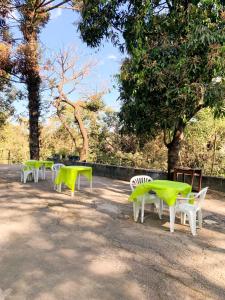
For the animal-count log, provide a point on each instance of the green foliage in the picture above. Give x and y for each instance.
(197, 151)
(173, 75)
(204, 145)
(8, 94)
(14, 142)
(55, 140)
(176, 62)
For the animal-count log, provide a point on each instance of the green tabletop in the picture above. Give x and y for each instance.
(47, 163)
(166, 190)
(36, 164)
(68, 175)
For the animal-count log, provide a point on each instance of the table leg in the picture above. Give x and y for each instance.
(172, 218)
(36, 171)
(59, 188)
(78, 184)
(44, 172)
(72, 193)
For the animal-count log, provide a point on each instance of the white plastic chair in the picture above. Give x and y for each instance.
(27, 173)
(186, 208)
(147, 198)
(55, 170)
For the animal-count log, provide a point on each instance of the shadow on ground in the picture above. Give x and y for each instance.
(88, 247)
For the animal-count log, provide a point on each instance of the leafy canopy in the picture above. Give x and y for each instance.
(176, 58)
(178, 69)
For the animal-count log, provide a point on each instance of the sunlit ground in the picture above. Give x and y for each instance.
(53, 246)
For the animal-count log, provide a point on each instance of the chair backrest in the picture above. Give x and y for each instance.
(56, 167)
(23, 167)
(138, 180)
(200, 196)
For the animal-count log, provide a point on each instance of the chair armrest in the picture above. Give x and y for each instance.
(182, 200)
(189, 199)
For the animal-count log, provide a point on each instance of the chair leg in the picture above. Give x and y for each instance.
(136, 208)
(24, 177)
(172, 218)
(192, 222)
(134, 211)
(200, 218)
(158, 206)
(44, 172)
(142, 210)
(183, 218)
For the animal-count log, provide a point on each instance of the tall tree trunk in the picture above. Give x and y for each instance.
(33, 85)
(33, 82)
(174, 148)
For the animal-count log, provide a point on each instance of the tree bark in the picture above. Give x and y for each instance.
(214, 154)
(83, 151)
(63, 121)
(174, 148)
(33, 85)
(30, 70)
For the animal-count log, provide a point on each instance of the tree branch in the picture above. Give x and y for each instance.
(57, 5)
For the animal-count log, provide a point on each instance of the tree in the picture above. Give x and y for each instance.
(33, 15)
(204, 144)
(8, 93)
(176, 63)
(67, 76)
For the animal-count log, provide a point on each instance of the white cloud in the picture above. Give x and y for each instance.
(101, 62)
(56, 13)
(112, 57)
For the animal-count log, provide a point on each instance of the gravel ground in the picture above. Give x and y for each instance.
(53, 246)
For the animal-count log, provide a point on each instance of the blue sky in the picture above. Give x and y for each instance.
(60, 32)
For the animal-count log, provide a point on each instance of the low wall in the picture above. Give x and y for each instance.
(126, 173)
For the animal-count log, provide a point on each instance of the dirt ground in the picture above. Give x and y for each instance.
(53, 246)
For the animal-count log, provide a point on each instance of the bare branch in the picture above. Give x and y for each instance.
(57, 5)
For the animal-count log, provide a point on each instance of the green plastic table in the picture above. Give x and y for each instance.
(37, 164)
(69, 174)
(166, 190)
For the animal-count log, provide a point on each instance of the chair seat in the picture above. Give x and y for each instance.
(186, 207)
(151, 198)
